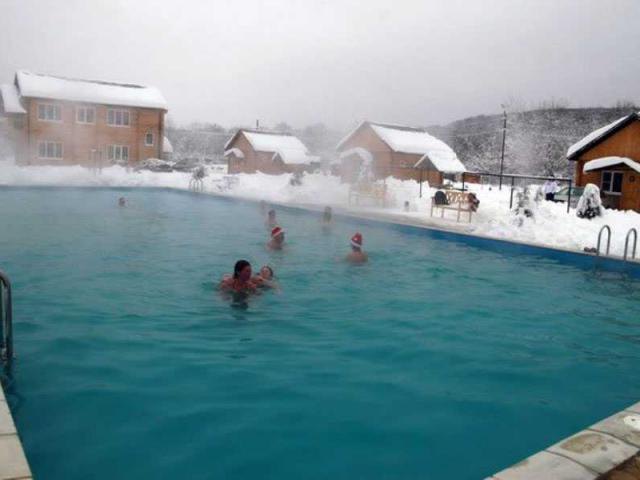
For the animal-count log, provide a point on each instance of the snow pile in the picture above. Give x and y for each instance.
(589, 205)
(551, 225)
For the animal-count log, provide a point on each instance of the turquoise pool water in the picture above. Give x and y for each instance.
(436, 360)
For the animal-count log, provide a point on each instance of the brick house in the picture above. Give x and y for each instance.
(249, 151)
(610, 158)
(64, 121)
(398, 151)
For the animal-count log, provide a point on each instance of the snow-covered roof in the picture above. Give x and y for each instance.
(442, 163)
(166, 145)
(597, 135)
(234, 151)
(90, 91)
(11, 99)
(363, 153)
(605, 162)
(416, 141)
(288, 147)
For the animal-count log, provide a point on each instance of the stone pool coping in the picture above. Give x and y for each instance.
(589, 454)
(13, 462)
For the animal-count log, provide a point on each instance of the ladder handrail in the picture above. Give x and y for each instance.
(608, 229)
(6, 328)
(635, 243)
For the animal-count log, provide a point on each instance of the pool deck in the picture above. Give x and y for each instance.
(607, 449)
(13, 462)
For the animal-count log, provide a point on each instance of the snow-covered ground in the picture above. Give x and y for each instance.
(551, 225)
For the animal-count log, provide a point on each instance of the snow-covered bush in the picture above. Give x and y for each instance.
(589, 205)
(525, 205)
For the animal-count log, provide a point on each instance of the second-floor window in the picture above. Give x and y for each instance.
(118, 117)
(148, 139)
(49, 112)
(50, 150)
(86, 115)
(118, 153)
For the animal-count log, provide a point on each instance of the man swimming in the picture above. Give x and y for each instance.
(357, 255)
(241, 283)
(277, 239)
(327, 216)
(271, 221)
(122, 202)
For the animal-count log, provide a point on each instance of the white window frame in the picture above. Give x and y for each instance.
(114, 113)
(47, 144)
(611, 182)
(56, 107)
(146, 144)
(118, 153)
(85, 110)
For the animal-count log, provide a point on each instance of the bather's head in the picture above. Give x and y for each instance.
(266, 272)
(242, 270)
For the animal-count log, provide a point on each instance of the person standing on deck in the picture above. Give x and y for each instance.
(357, 255)
(549, 189)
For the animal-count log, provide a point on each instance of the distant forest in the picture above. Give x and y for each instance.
(536, 140)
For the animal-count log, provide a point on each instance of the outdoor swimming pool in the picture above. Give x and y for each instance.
(436, 360)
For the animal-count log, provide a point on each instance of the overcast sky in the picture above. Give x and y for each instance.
(335, 61)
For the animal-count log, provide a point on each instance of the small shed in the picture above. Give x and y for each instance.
(399, 151)
(249, 151)
(610, 158)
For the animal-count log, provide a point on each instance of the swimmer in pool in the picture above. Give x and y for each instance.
(277, 239)
(241, 282)
(327, 217)
(265, 279)
(122, 202)
(271, 221)
(357, 255)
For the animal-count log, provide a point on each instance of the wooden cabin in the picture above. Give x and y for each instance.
(397, 151)
(250, 151)
(610, 158)
(66, 121)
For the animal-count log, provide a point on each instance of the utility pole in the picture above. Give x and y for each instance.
(504, 137)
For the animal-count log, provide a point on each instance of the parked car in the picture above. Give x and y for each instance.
(562, 195)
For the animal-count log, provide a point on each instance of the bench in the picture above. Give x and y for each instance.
(453, 200)
(376, 192)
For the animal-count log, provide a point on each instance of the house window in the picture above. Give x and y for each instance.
(50, 150)
(86, 115)
(612, 182)
(148, 139)
(118, 153)
(49, 112)
(118, 118)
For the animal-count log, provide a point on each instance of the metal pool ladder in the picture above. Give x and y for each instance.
(635, 243)
(608, 229)
(6, 320)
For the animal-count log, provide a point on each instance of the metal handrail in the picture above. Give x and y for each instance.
(608, 229)
(635, 243)
(6, 317)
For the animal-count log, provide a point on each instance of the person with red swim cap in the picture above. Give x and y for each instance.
(277, 239)
(357, 255)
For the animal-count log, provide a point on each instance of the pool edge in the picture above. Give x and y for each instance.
(13, 460)
(592, 453)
